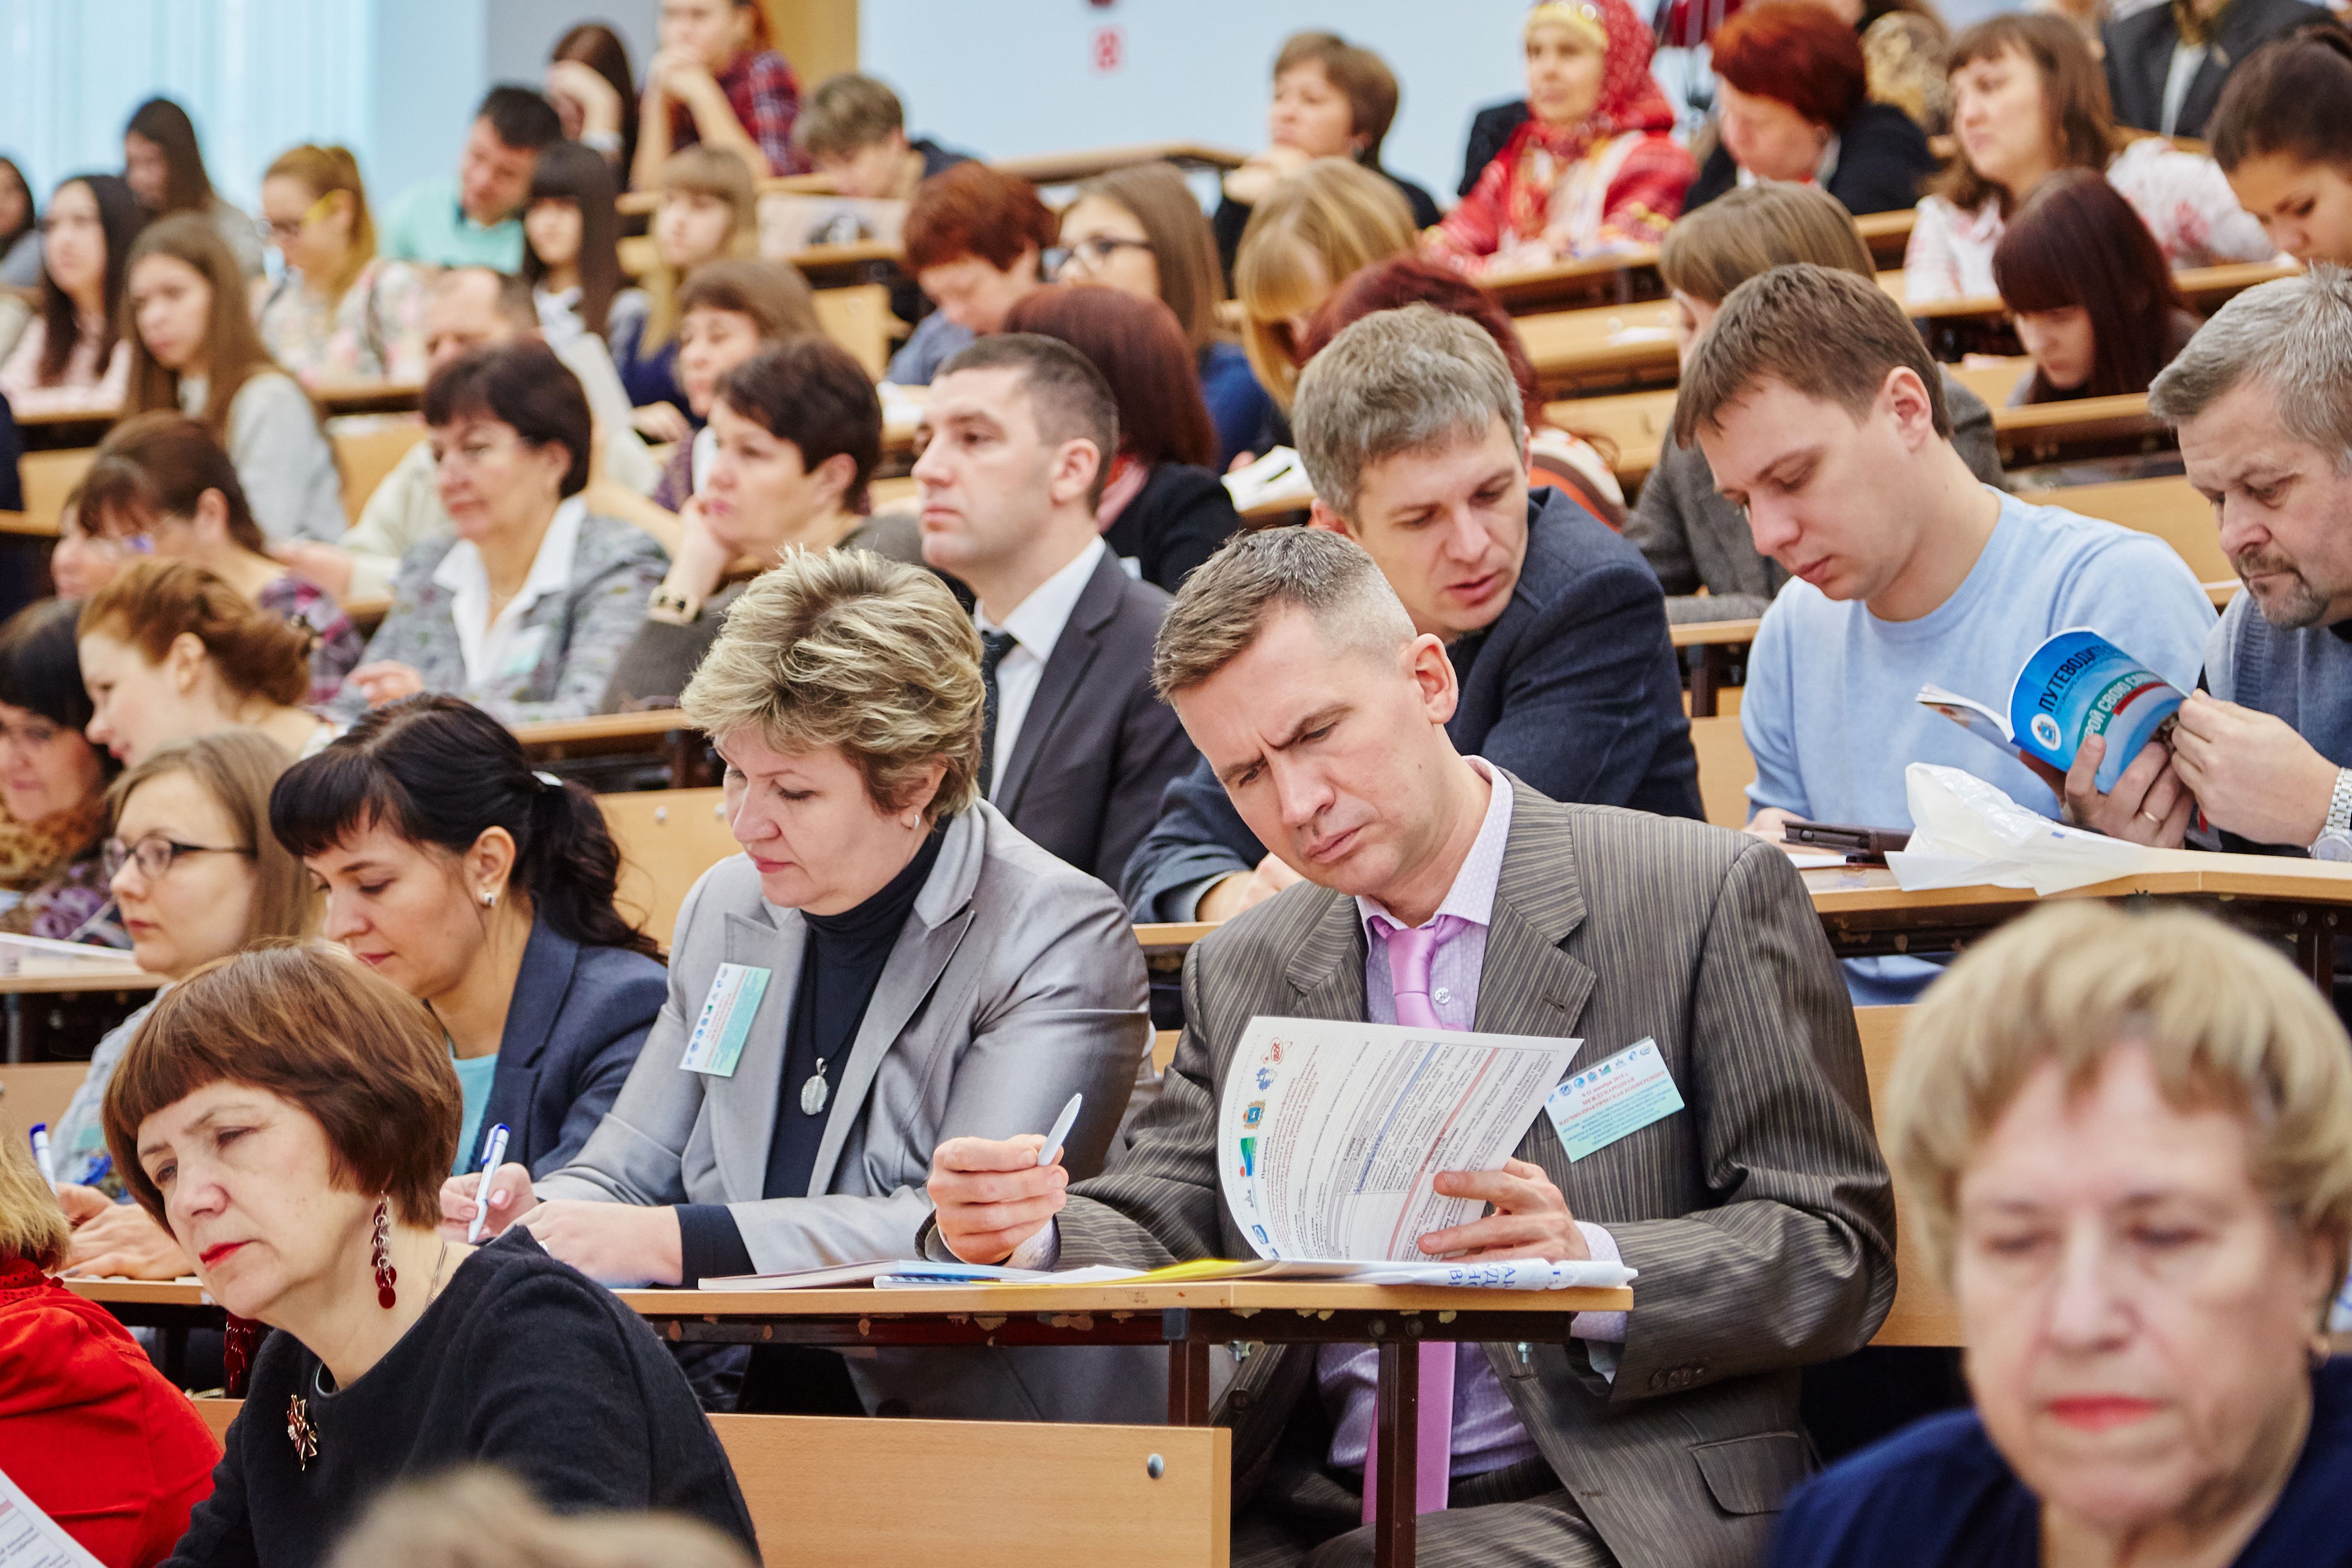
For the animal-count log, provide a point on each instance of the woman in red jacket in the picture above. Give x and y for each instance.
(95, 1436)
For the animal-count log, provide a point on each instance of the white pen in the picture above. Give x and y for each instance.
(50, 1166)
(1062, 1125)
(492, 1153)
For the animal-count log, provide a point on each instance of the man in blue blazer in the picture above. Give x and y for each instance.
(1410, 428)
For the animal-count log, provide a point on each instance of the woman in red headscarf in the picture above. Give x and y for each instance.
(1593, 170)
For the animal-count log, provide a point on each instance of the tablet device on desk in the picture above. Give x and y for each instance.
(1868, 845)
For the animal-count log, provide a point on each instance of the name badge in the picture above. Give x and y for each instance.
(523, 653)
(1593, 1109)
(716, 1043)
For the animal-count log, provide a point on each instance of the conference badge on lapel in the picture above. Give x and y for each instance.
(1594, 1108)
(716, 1043)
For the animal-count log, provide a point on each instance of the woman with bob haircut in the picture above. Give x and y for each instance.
(2282, 137)
(289, 1116)
(1315, 230)
(726, 314)
(928, 973)
(2126, 1140)
(524, 610)
(1163, 507)
(96, 1438)
(2027, 101)
(196, 876)
(194, 350)
(1795, 106)
(483, 888)
(2094, 302)
(975, 240)
(170, 651)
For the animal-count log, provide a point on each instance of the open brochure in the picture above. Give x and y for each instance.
(1279, 479)
(1511, 1274)
(31, 1539)
(2076, 685)
(1330, 1134)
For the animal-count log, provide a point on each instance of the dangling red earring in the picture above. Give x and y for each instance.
(386, 1277)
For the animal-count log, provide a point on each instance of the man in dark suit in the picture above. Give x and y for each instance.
(2146, 62)
(1410, 427)
(1442, 891)
(1016, 440)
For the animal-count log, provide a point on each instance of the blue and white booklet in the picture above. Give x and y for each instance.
(2074, 686)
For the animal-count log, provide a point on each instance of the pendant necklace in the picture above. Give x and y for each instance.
(814, 1093)
(300, 1430)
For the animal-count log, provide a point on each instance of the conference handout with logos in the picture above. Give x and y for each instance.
(1329, 1134)
(2076, 685)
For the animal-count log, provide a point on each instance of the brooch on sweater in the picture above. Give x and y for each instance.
(300, 1433)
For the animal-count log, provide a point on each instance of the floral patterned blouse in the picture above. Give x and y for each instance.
(339, 644)
(376, 332)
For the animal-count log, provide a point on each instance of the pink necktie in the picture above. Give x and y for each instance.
(1410, 955)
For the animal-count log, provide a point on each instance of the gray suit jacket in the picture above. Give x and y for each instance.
(1015, 983)
(1760, 1218)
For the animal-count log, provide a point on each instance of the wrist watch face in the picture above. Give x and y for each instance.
(2333, 844)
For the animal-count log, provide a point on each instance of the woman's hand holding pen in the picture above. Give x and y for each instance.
(991, 1195)
(509, 1196)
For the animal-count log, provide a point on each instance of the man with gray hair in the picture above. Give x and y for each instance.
(2263, 399)
(1441, 891)
(1411, 430)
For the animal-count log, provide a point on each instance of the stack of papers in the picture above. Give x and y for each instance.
(913, 1273)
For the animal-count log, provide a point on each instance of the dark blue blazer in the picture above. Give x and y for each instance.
(1574, 687)
(1939, 1495)
(578, 1018)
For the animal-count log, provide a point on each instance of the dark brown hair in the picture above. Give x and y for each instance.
(521, 384)
(1821, 332)
(160, 465)
(1140, 350)
(974, 210)
(1362, 76)
(119, 218)
(149, 604)
(2081, 122)
(2289, 97)
(186, 186)
(810, 392)
(1069, 399)
(233, 351)
(568, 171)
(2077, 244)
(604, 51)
(311, 1025)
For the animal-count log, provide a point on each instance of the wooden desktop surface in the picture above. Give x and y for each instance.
(2181, 873)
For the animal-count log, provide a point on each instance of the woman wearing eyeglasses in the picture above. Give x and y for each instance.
(340, 312)
(198, 875)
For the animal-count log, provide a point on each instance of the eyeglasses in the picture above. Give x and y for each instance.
(279, 229)
(155, 854)
(1091, 255)
(32, 737)
(471, 454)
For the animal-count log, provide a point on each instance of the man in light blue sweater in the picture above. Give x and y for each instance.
(1821, 414)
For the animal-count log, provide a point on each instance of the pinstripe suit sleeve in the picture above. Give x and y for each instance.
(1795, 1262)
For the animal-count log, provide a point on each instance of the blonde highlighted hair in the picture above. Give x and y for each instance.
(1313, 231)
(2226, 1022)
(326, 171)
(701, 171)
(844, 649)
(33, 1229)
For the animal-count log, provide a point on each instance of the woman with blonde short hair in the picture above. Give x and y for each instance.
(2126, 1141)
(1313, 231)
(891, 965)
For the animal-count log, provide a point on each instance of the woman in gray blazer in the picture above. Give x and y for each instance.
(888, 964)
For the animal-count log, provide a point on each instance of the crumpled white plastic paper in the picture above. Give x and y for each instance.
(1965, 833)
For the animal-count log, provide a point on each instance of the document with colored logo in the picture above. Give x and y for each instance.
(2076, 685)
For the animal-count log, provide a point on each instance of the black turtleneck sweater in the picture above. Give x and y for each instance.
(841, 966)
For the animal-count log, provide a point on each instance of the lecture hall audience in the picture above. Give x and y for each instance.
(96, 1438)
(2167, 65)
(796, 434)
(1140, 229)
(1163, 510)
(705, 213)
(197, 877)
(2027, 101)
(484, 888)
(571, 254)
(1315, 230)
(338, 312)
(595, 95)
(194, 350)
(159, 485)
(1593, 170)
(1794, 106)
(52, 782)
(1698, 543)
(1823, 417)
(2094, 303)
(318, 1220)
(165, 170)
(935, 974)
(1331, 98)
(475, 219)
(74, 354)
(2287, 151)
(975, 241)
(853, 131)
(716, 81)
(2127, 1140)
(528, 608)
(168, 652)
(726, 312)
(1017, 448)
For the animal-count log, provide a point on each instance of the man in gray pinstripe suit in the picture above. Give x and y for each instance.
(1759, 1217)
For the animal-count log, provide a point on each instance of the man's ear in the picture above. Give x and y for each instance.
(1905, 396)
(1076, 464)
(1425, 660)
(1321, 515)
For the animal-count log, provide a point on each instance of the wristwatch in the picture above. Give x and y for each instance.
(2335, 840)
(684, 609)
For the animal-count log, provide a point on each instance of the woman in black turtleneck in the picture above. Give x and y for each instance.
(904, 967)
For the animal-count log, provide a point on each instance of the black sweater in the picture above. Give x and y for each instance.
(1882, 157)
(522, 1363)
(1180, 517)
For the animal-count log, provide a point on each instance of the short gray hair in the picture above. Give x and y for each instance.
(1225, 603)
(1398, 381)
(2295, 336)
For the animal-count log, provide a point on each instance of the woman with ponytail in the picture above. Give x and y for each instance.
(484, 889)
(340, 312)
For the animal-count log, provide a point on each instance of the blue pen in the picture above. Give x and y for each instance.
(492, 1153)
(41, 1153)
(97, 1169)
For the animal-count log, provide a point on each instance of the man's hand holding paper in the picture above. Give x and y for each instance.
(1530, 1218)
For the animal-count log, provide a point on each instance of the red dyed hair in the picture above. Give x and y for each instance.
(972, 210)
(1143, 352)
(1797, 52)
(1405, 280)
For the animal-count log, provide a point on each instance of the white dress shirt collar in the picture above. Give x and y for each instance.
(1037, 621)
(482, 642)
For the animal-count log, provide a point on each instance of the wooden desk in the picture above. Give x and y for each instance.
(1719, 643)
(1637, 423)
(2075, 431)
(1160, 941)
(1188, 1319)
(1597, 280)
(1608, 349)
(1067, 168)
(663, 732)
(1888, 234)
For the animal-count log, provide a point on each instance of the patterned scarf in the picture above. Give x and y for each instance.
(1630, 101)
(31, 852)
